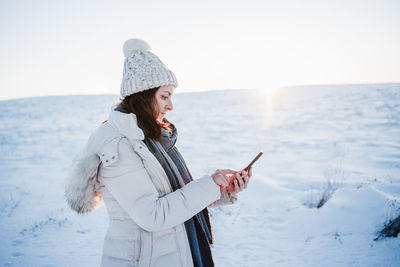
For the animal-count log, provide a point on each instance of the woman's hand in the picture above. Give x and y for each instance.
(220, 177)
(239, 180)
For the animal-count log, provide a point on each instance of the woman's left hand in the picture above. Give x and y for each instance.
(239, 181)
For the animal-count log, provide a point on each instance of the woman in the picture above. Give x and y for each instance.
(158, 213)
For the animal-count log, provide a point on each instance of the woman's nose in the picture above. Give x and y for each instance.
(170, 106)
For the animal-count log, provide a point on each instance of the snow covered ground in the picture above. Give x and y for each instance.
(344, 140)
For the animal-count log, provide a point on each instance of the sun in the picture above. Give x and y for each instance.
(270, 89)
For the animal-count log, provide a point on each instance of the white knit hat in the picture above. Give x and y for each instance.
(143, 70)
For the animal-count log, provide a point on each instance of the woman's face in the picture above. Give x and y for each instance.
(163, 101)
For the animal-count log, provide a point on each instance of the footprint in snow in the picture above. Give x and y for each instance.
(17, 243)
(17, 254)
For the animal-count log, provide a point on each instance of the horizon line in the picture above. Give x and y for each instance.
(208, 90)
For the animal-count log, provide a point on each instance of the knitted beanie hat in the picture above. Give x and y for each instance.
(143, 70)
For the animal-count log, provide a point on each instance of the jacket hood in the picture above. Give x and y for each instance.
(126, 124)
(82, 190)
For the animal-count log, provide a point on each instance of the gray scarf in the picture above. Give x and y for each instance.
(198, 228)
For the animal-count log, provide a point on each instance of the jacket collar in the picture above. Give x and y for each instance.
(126, 124)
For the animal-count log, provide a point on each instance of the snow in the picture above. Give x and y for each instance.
(342, 138)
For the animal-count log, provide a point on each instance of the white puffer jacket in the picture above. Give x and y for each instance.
(146, 218)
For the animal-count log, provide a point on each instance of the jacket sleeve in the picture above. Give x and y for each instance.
(130, 184)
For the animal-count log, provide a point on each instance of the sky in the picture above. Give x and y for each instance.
(75, 47)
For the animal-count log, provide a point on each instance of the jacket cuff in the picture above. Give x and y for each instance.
(225, 199)
(214, 188)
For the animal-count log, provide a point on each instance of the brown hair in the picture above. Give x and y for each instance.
(142, 105)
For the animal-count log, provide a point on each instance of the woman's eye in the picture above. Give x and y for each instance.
(164, 97)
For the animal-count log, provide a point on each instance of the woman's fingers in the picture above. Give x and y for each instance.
(220, 178)
(241, 182)
(237, 181)
(237, 189)
(246, 181)
(250, 172)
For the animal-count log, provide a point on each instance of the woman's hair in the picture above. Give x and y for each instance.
(143, 104)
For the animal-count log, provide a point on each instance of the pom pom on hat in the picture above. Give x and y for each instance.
(132, 45)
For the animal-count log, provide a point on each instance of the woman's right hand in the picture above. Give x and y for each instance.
(220, 178)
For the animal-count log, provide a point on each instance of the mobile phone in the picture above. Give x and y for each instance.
(251, 163)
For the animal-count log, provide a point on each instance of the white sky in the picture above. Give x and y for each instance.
(75, 47)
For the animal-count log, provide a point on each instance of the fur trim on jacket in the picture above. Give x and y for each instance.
(82, 188)
(81, 185)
